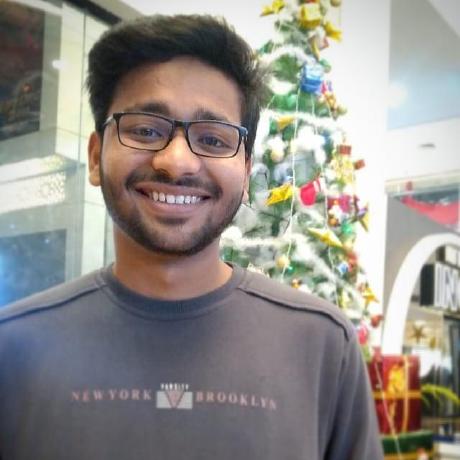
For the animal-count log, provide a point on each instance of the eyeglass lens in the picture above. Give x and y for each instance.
(148, 132)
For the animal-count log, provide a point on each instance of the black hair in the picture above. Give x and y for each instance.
(157, 39)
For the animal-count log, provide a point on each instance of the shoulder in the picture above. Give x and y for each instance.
(284, 296)
(51, 298)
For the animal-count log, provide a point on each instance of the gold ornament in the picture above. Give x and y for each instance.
(326, 235)
(368, 296)
(314, 48)
(282, 261)
(278, 194)
(344, 168)
(274, 8)
(310, 15)
(418, 333)
(284, 121)
(296, 282)
(336, 3)
(332, 31)
(364, 221)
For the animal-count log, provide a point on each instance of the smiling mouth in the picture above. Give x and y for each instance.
(169, 198)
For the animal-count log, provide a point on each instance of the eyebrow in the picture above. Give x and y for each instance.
(162, 109)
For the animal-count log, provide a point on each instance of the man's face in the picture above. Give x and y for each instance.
(135, 181)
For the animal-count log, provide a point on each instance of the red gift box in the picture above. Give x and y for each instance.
(395, 381)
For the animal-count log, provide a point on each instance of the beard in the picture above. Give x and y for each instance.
(159, 237)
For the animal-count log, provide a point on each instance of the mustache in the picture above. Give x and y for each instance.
(186, 181)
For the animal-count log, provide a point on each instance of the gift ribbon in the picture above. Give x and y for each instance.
(409, 456)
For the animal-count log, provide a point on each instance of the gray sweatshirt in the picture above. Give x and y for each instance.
(253, 370)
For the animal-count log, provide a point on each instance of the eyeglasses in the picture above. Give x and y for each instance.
(207, 138)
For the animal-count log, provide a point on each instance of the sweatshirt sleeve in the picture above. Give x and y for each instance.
(354, 434)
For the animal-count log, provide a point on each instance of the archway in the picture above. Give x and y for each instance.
(400, 296)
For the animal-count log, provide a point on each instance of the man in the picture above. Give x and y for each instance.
(170, 353)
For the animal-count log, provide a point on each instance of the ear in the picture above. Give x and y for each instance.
(94, 158)
(247, 177)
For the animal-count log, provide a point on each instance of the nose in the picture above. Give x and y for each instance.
(177, 160)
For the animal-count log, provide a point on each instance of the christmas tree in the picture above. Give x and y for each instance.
(301, 225)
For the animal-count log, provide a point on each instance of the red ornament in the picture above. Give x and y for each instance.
(344, 201)
(376, 320)
(363, 334)
(344, 149)
(309, 191)
(359, 164)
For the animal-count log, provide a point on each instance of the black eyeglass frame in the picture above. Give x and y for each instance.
(242, 131)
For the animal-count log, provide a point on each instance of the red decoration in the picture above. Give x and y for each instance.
(359, 164)
(309, 191)
(344, 201)
(443, 213)
(376, 320)
(363, 334)
(344, 149)
(352, 260)
(395, 381)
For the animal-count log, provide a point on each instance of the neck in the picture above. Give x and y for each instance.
(169, 277)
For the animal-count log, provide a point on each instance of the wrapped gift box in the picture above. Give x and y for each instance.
(395, 382)
(417, 445)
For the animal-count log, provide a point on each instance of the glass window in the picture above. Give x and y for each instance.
(52, 222)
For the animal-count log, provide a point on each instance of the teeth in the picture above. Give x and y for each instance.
(175, 199)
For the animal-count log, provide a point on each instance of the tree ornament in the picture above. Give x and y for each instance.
(342, 268)
(344, 201)
(309, 191)
(310, 15)
(311, 77)
(347, 229)
(325, 235)
(364, 221)
(332, 31)
(296, 282)
(284, 121)
(344, 149)
(282, 262)
(274, 8)
(278, 194)
(343, 168)
(335, 215)
(363, 333)
(336, 3)
(359, 164)
(376, 320)
(352, 259)
(368, 295)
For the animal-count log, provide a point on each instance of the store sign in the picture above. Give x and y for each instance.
(440, 286)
